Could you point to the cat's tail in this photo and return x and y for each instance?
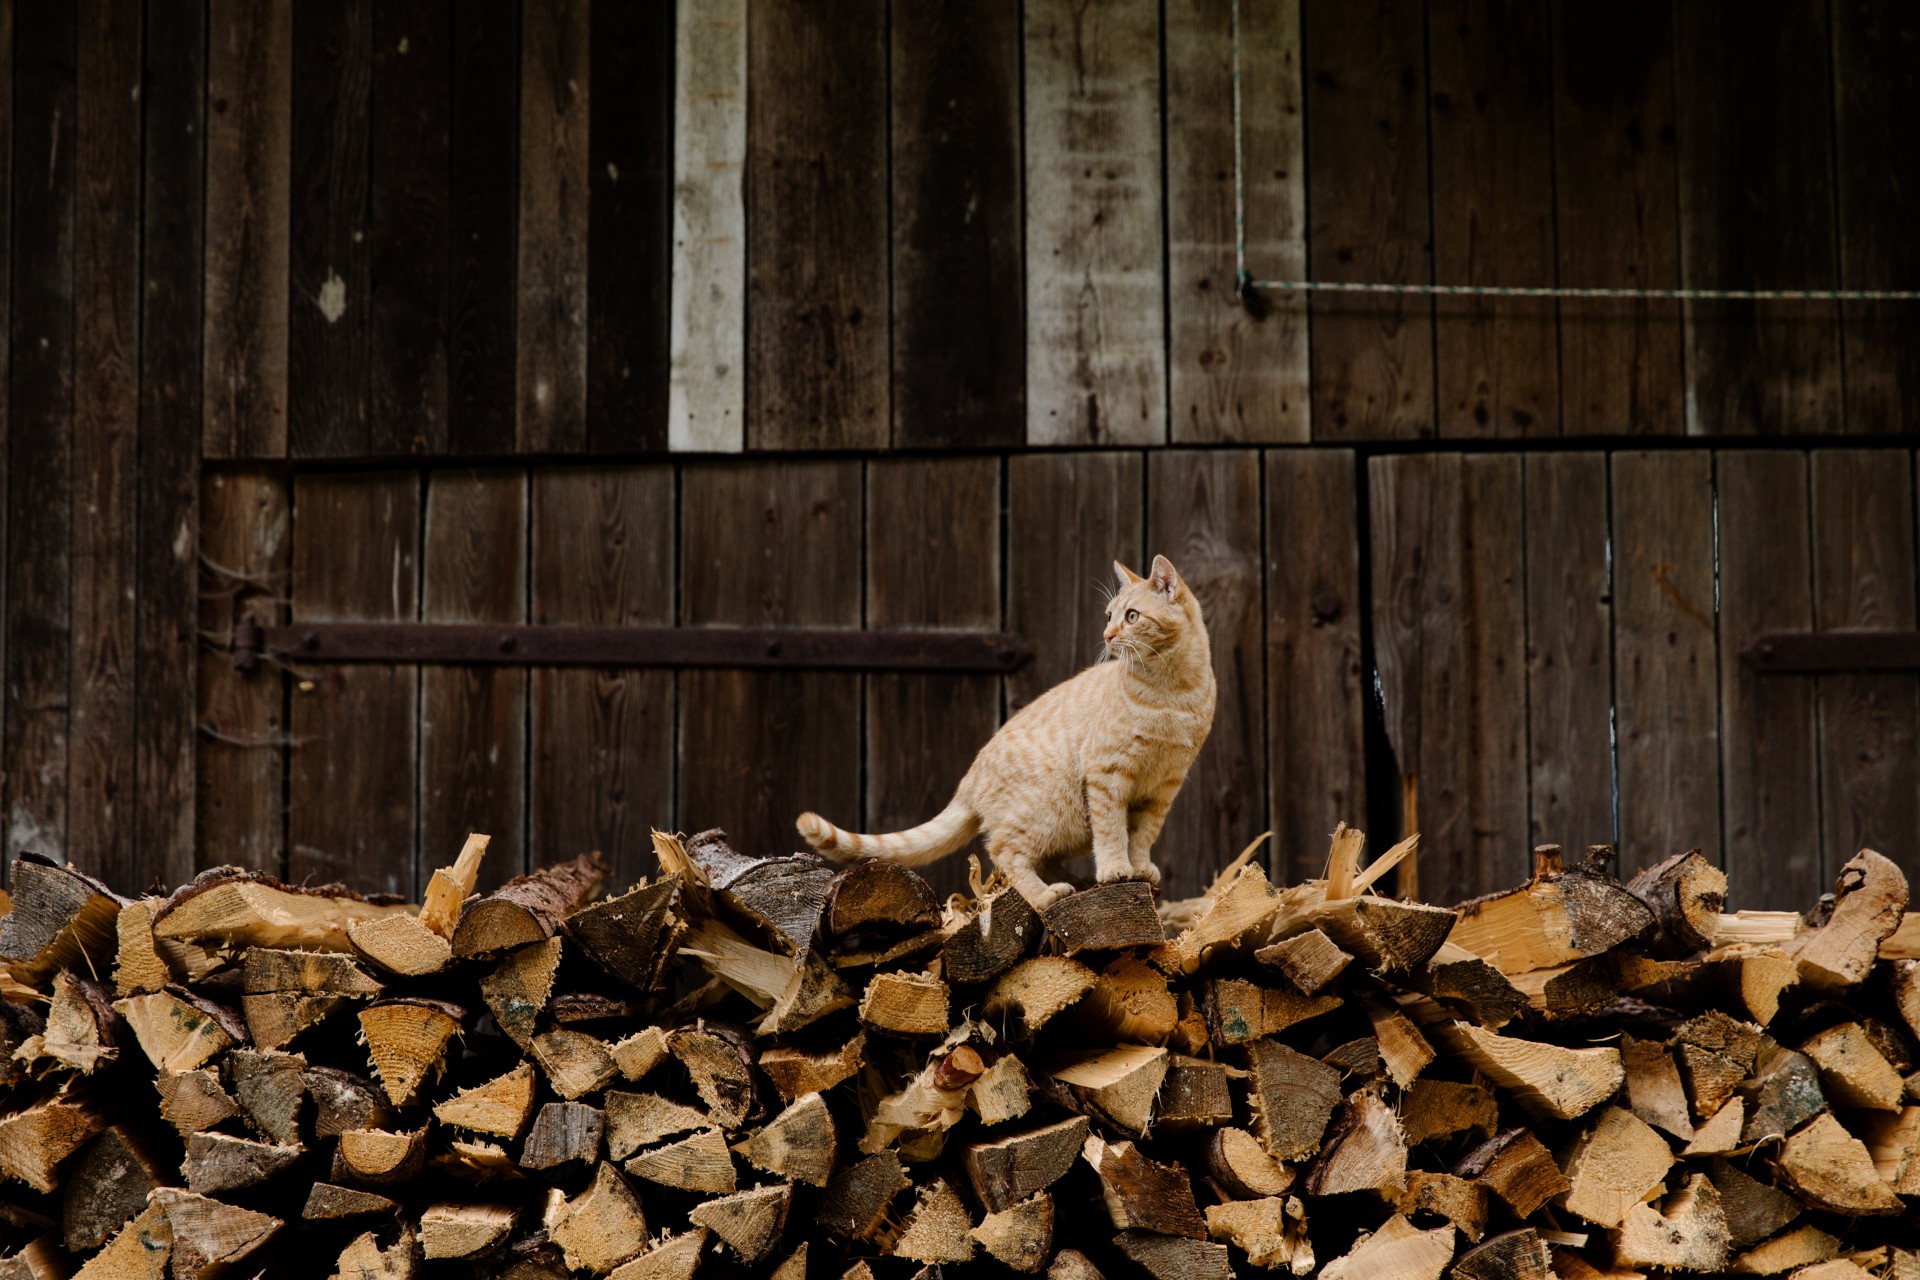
(932, 840)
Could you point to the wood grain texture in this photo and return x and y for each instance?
(707, 337)
(629, 226)
(550, 380)
(933, 560)
(1237, 368)
(239, 814)
(1664, 638)
(1096, 322)
(769, 544)
(1569, 651)
(329, 357)
(249, 148)
(1863, 576)
(1768, 762)
(1203, 514)
(1757, 212)
(1316, 683)
(473, 720)
(353, 785)
(6, 374)
(1616, 214)
(1449, 632)
(1367, 217)
(409, 304)
(483, 186)
(959, 325)
(818, 365)
(1493, 217)
(603, 741)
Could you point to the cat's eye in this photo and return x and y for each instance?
(1133, 615)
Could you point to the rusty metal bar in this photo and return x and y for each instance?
(1807, 652)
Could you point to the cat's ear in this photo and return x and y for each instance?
(1124, 576)
(1165, 578)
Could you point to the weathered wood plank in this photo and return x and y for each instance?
(603, 741)
(249, 149)
(1492, 130)
(1237, 368)
(818, 364)
(484, 190)
(1096, 343)
(1664, 636)
(550, 380)
(959, 355)
(707, 348)
(6, 369)
(1617, 213)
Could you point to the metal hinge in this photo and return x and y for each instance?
(1807, 652)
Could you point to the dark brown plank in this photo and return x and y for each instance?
(329, 359)
(1863, 576)
(6, 370)
(603, 741)
(1367, 217)
(249, 141)
(352, 790)
(1569, 651)
(550, 382)
(933, 560)
(629, 226)
(1449, 625)
(1316, 685)
(166, 635)
(483, 186)
(40, 457)
(770, 544)
(407, 324)
(959, 324)
(1664, 636)
(1617, 214)
(239, 815)
(1492, 130)
(1756, 201)
(817, 360)
(1767, 756)
(1876, 50)
(1203, 514)
(473, 720)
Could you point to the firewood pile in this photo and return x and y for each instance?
(777, 1066)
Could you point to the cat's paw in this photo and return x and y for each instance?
(1149, 873)
(1052, 894)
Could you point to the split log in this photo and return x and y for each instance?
(327, 1202)
(1236, 1160)
(632, 937)
(1721, 1133)
(1007, 1171)
(562, 1132)
(1870, 895)
(81, 1032)
(1238, 1011)
(1894, 1143)
(640, 1052)
(796, 1071)
(138, 967)
(989, 936)
(1129, 1002)
(1232, 918)
(1020, 1238)
(1174, 1257)
(905, 1004)
(1310, 960)
(697, 1163)
(210, 1236)
(1270, 1231)
(400, 944)
(1514, 1255)
(856, 1199)
(449, 887)
(1002, 1092)
(721, 1063)
(749, 1222)
(500, 1106)
(218, 1162)
(1753, 1210)
(1554, 919)
(106, 1187)
(1462, 1202)
(1028, 995)
(879, 893)
(1362, 1150)
(231, 908)
(343, 1101)
(1293, 1098)
(527, 909)
(574, 1062)
(1516, 1169)
(1106, 917)
(797, 1145)
(1403, 1050)
(36, 1138)
(270, 1090)
(1397, 1251)
(1071, 1264)
(142, 1250)
(636, 1120)
(407, 1042)
(601, 1227)
(1715, 1053)
(938, 1228)
(380, 1157)
(286, 992)
(1686, 894)
(1853, 1073)
(193, 1100)
(1831, 1169)
(519, 986)
(1655, 1091)
(1435, 1109)
(1143, 1194)
(462, 1231)
(177, 1030)
(1388, 937)
(1547, 1080)
(675, 1258)
(1782, 1094)
(1786, 1252)
(1614, 1165)
(62, 918)
(1687, 1231)
(1469, 985)
(1194, 1095)
(1118, 1084)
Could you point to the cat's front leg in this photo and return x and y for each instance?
(1143, 829)
(1107, 820)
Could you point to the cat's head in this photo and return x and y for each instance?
(1149, 617)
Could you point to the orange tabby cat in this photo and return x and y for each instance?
(1095, 761)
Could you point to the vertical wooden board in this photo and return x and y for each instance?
(249, 149)
(1237, 367)
(1492, 128)
(353, 784)
(629, 245)
(769, 544)
(818, 364)
(1069, 517)
(1569, 651)
(1617, 215)
(1316, 683)
(603, 740)
(6, 385)
(1203, 514)
(1769, 770)
(329, 359)
(473, 719)
(1869, 724)
(707, 334)
(1756, 212)
(1449, 627)
(959, 327)
(1876, 50)
(1664, 638)
(239, 811)
(1096, 318)
(550, 380)
(409, 307)
(40, 456)
(933, 560)
(1368, 217)
(484, 189)
(166, 635)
